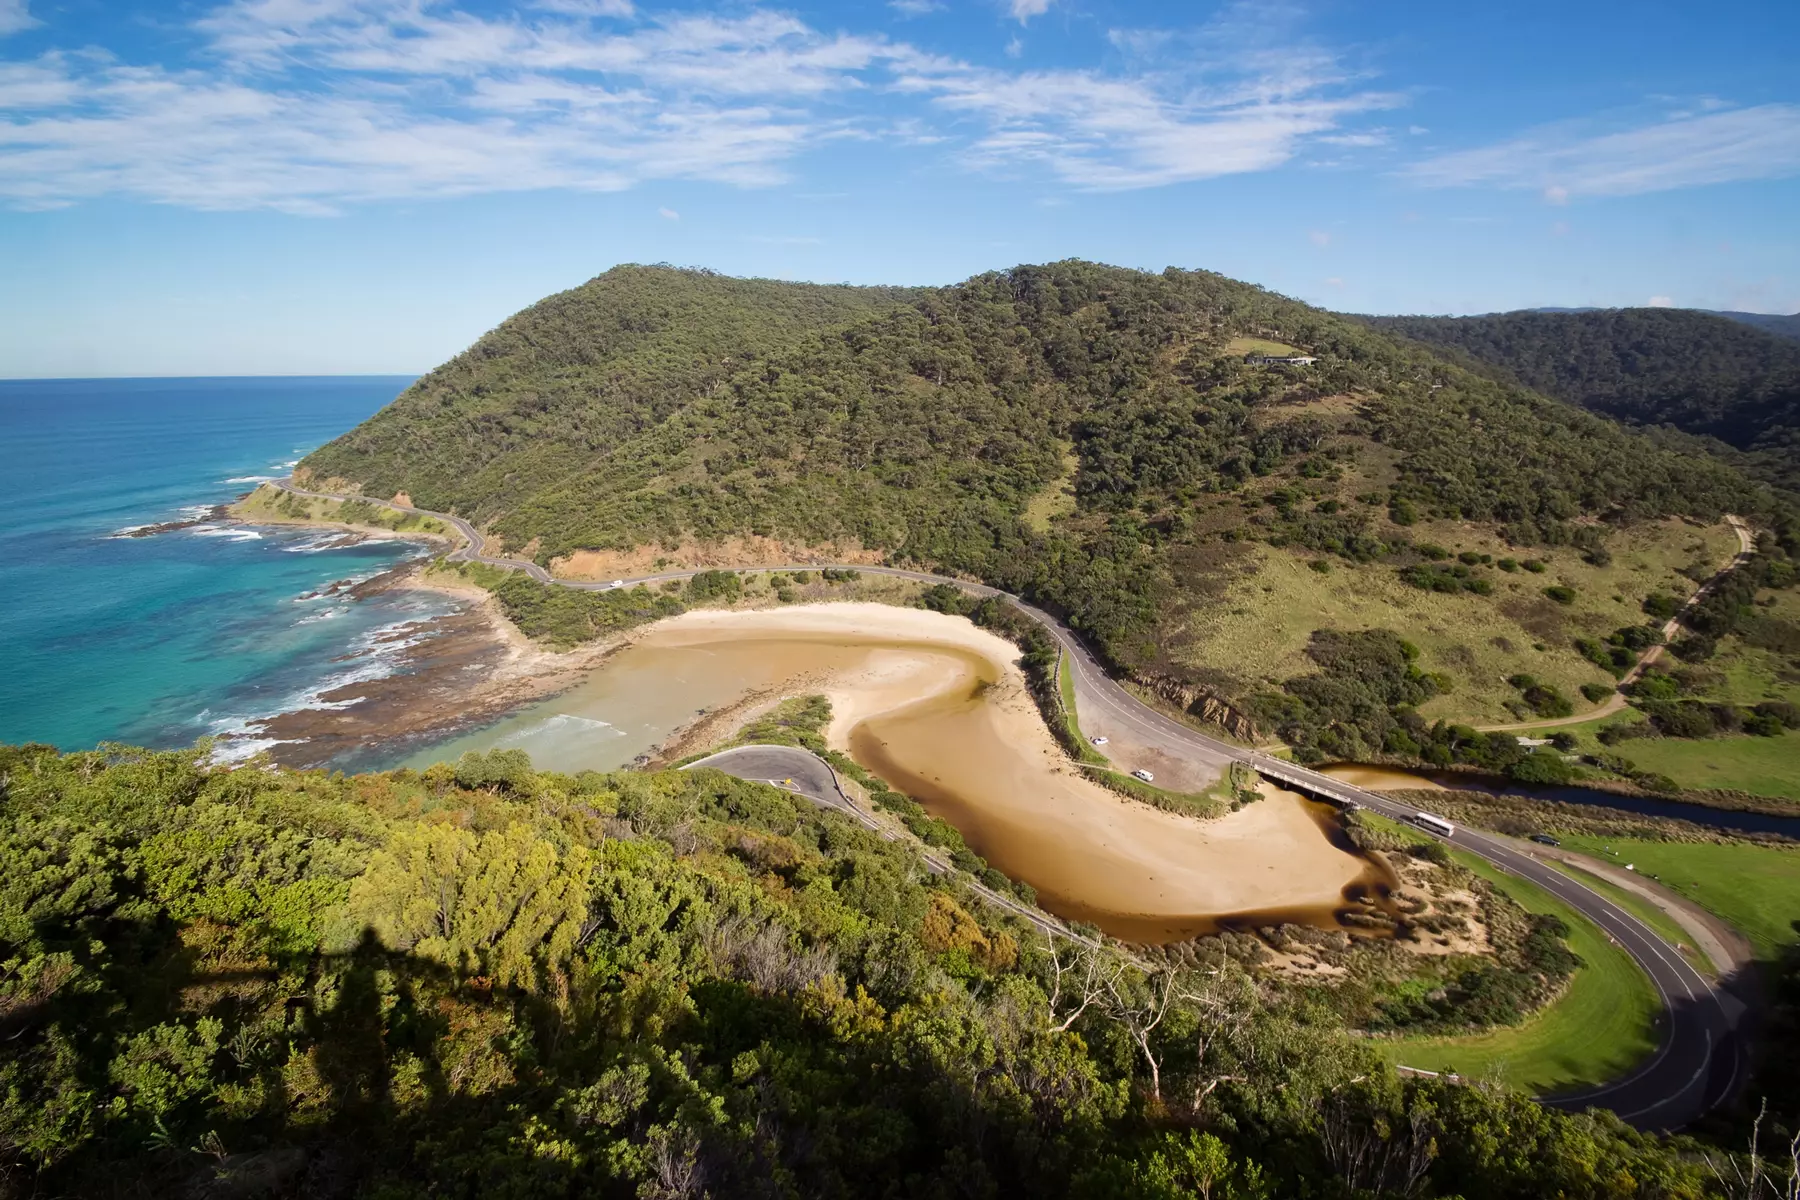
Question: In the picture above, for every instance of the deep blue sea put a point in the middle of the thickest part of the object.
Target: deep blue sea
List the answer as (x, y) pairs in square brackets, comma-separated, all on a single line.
[(161, 640)]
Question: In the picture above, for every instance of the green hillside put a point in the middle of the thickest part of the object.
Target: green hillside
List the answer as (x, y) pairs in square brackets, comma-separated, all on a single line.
[(1700, 373), (1085, 435), (481, 981), (573, 376)]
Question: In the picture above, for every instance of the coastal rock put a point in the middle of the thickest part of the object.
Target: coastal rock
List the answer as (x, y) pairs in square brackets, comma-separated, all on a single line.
[(1201, 702), (216, 513)]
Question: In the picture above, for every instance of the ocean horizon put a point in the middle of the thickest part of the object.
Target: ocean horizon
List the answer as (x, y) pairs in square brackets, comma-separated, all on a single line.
[(164, 639)]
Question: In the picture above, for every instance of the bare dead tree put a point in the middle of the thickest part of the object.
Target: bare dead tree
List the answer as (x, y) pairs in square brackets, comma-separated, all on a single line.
[(1754, 1179), (1086, 976), (1224, 1003), (1368, 1151), (675, 1158), (1141, 1014)]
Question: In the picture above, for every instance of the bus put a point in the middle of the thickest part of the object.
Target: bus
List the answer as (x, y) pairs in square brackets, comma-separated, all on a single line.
[(1434, 823)]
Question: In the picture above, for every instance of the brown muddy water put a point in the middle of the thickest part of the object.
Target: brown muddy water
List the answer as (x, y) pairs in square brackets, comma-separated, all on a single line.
[(947, 719)]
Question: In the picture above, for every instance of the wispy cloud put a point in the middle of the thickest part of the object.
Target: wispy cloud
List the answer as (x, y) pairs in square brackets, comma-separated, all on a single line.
[(308, 106), (1685, 150), (14, 16), (1024, 10), (1245, 92)]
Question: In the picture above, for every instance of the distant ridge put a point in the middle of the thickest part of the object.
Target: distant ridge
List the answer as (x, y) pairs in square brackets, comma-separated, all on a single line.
[(1716, 375), (1787, 326)]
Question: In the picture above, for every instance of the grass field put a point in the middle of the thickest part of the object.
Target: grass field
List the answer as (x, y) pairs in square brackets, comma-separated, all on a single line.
[(1258, 632), (1253, 345), (1754, 888), (1767, 766), (1600, 1027), (1763, 766), (1057, 499)]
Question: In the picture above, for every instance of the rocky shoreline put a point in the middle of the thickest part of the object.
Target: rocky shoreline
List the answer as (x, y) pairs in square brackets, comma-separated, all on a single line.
[(454, 672)]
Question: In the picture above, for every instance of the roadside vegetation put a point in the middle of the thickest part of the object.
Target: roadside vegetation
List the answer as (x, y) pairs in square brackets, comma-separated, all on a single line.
[(1598, 1029), (1754, 888)]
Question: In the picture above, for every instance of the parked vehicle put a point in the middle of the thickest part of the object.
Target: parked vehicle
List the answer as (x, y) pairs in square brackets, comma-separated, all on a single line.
[(1099, 741), (1144, 775), (1544, 839)]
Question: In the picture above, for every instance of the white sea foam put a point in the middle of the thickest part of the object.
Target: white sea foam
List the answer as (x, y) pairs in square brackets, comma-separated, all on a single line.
[(128, 531), (563, 723), (374, 654), (235, 533), (251, 478), (229, 750)]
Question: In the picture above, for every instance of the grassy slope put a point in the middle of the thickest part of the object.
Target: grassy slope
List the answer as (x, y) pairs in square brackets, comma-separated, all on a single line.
[(1597, 1030), (1754, 888), (270, 504), (1258, 632), (1741, 674)]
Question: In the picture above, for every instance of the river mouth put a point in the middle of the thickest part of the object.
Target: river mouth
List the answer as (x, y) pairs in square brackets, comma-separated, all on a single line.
[(940, 711)]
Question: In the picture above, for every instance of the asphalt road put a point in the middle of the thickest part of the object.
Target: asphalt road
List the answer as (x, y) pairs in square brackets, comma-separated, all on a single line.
[(1700, 1058)]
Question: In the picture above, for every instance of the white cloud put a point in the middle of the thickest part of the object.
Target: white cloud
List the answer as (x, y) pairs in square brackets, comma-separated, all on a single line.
[(1024, 10), (1662, 302), (587, 8), (1681, 151), (668, 214), (14, 16), (308, 106), (1015, 47), (1319, 237), (915, 8), (1105, 132), (1556, 194)]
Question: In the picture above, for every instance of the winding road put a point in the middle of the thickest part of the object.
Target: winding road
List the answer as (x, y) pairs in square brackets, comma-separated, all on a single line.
[(1700, 1057)]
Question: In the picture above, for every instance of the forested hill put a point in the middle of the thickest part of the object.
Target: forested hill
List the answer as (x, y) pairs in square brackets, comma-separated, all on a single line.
[(1699, 372), (942, 427), (1787, 325), (573, 376)]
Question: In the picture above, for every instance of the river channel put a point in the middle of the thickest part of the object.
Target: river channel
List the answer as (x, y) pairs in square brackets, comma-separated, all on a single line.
[(939, 710), (1393, 779)]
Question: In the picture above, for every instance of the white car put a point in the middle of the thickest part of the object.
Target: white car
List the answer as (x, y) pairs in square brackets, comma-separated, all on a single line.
[(1099, 741), (1144, 775), (617, 583)]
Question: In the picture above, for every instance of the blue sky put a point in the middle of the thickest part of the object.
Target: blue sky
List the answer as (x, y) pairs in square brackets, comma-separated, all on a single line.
[(321, 186)]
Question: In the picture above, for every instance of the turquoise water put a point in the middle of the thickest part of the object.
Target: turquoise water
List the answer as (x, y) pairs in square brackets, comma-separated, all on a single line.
[(161, 640)]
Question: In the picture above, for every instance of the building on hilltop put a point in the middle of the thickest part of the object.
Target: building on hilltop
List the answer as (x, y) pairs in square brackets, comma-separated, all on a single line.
[(1293, 360)]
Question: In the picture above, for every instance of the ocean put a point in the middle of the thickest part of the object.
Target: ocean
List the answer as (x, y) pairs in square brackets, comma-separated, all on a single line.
[(159, 641)]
